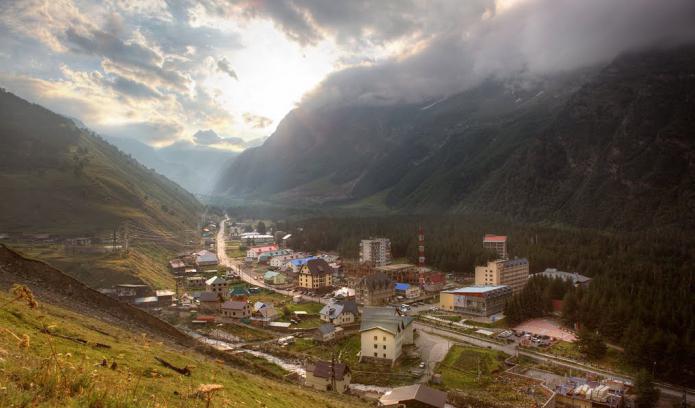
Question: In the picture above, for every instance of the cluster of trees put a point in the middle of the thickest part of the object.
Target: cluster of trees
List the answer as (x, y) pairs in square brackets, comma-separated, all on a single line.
[(535, 300), (641, 295)]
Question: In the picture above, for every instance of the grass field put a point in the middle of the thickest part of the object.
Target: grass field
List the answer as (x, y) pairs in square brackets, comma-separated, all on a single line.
[(145, 262), (347, 350), (44, 370), (232, 249), (613, 360), (474, 374)]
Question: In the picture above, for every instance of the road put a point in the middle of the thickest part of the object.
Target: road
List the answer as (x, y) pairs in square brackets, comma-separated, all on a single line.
[(447, 337), (434, 351), (237, 267)]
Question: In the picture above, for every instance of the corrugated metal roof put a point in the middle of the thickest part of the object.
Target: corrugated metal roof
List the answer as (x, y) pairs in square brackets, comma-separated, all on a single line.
[(475, 289)]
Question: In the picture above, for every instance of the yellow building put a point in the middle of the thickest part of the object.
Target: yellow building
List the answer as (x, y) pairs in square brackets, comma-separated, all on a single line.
[(383, 333), (316, 274), (513, 273)]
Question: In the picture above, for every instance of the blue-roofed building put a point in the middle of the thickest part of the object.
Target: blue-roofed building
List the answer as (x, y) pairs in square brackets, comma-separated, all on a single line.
[(296, 264), (407, 290), (483, 301)]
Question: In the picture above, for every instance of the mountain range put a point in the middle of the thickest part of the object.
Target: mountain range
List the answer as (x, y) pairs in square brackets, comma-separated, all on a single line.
[(195, 167), (608, 146)]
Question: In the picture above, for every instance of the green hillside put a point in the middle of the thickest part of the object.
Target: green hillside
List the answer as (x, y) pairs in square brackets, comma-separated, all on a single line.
[(57, 178), (606, 147), (51, 355), (65, 181)]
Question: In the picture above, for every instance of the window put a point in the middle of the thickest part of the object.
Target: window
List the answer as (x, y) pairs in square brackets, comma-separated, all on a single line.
[(384, 355), (384, 338), (384, 346), (376, 338), (376, 346), (376, 354)]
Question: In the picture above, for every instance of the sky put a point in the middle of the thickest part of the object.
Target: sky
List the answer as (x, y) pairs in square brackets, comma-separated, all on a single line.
[(223, 74)]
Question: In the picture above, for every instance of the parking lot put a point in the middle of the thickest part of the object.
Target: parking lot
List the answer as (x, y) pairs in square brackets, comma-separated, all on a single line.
[(546, 327)]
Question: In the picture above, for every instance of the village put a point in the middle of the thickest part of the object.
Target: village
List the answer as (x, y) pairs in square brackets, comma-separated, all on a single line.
[(399, 333)]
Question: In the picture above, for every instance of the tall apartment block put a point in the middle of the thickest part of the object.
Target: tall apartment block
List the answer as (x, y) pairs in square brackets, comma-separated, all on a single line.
[(497, 243), (513, 273), (376, 251)]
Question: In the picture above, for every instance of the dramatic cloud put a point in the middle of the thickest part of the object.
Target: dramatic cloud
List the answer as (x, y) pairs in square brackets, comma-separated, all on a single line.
[(256, 121), (161, 70), (528, 39), (224, 66)]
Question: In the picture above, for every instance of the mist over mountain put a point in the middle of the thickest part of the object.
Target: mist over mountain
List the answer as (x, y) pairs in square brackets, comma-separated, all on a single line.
[(195, 167), (598, 147)]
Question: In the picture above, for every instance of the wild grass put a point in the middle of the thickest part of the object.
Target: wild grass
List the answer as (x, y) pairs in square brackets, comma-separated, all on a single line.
[(38, 368)]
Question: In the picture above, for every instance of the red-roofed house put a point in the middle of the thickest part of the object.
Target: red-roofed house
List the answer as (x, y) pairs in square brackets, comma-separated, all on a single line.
[(253, 253)]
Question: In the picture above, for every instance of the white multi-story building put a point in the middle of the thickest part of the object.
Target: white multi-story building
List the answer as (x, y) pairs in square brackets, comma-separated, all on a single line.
[(376, 251)]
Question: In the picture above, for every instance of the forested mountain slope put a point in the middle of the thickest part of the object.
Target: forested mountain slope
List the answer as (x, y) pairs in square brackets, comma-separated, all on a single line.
[(605, 147)]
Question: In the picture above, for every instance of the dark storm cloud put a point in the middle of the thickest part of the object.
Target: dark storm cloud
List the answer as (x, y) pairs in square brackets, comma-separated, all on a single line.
[(125, 58), (224, 66), (364, 22), (148, 132), (533, 38), (133, 88)]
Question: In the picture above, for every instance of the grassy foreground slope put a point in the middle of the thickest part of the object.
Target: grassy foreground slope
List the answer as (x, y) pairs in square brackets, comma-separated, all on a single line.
[(52, 355)]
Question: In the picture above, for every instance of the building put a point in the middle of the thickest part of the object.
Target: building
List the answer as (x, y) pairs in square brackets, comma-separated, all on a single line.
[(177, 266), (374, 290), (497, 243), (279, 261), (274, 278), (405, 273), (239, 293), (205, 258), (383, 333), (407, 291), (146, 302), (575, 278), (164, 297), (316, 274), (254, 238), (295, 265), (265, 257), (434, 281), (483, 301), (375, 251), (236, 309), (340, 313), (195, 282), (578, 392), (413, 396), (328, 376), (512, 272), (254, 252), (328, 332), (264, 311), (127, 292), (209, 301), (217, 284)]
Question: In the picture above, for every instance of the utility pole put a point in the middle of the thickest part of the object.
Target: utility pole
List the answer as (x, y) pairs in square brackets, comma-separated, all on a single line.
[(333, 371), (113, 242)]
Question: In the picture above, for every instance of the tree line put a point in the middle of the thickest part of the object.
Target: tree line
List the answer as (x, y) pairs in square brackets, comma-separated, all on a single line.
[(641, 296)]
